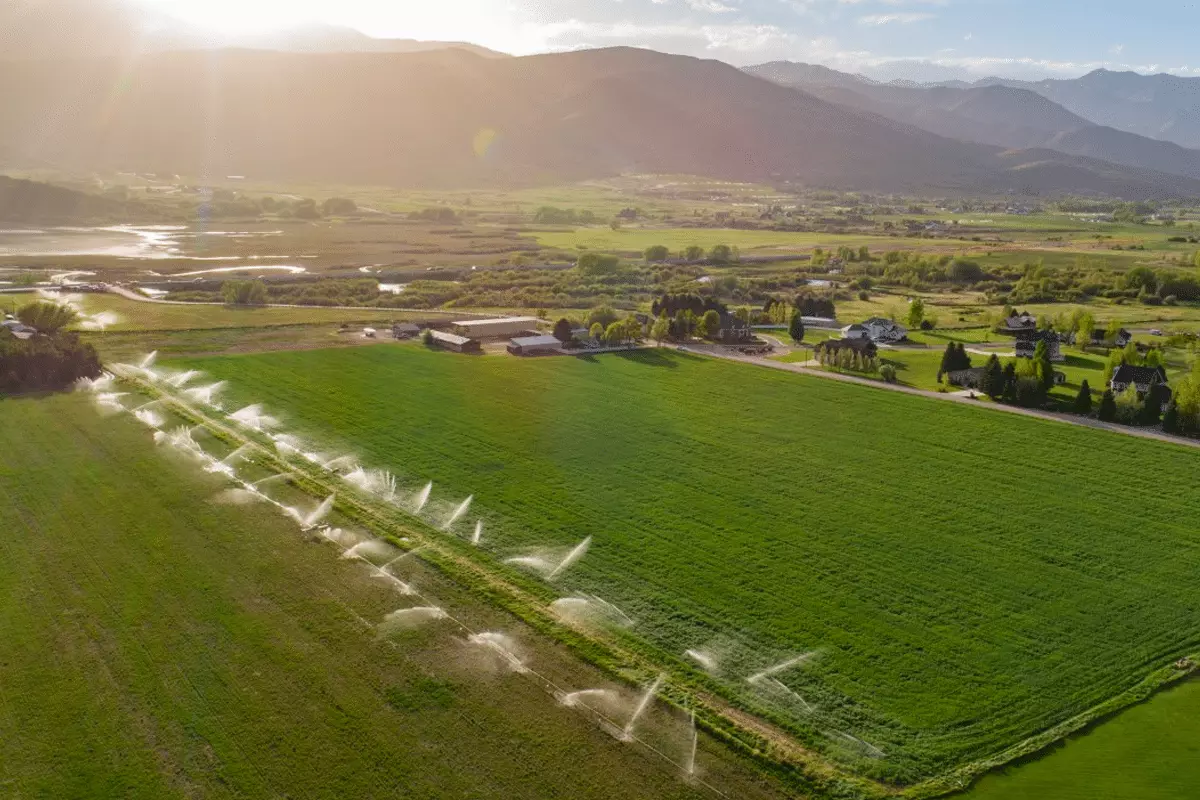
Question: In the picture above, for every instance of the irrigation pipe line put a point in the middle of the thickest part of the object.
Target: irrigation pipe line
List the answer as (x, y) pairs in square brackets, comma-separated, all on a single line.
[(547, 684)]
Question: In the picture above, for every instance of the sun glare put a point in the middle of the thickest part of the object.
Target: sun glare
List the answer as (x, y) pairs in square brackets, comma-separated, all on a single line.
[(238, 16)]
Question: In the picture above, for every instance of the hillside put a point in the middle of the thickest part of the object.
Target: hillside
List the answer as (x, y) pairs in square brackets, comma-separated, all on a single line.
[(452, 118), (1002, 114), (31, 202), (1165, 107)]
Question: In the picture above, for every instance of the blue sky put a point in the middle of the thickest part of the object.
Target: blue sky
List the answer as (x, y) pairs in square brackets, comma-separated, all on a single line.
[(919, 39)]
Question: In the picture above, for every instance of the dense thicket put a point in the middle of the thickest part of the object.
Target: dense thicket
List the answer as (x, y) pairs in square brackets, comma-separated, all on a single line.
[(45, 362)]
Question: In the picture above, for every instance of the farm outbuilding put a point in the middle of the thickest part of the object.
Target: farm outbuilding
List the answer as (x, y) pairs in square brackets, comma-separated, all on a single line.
[(499, 328), (534, 345), (459, 344), (405, 330)]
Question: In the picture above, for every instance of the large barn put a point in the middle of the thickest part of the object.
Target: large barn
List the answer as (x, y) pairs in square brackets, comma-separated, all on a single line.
[(498, 328), (534, 345)]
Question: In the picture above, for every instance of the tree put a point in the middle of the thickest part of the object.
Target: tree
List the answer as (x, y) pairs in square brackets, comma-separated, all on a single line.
[(562, 330), (721, 254), (306, 209), (1010, 382), (596, 331), (710, 324), (1083, 401), (1112, 331), (1084, 327), (46, 318), (1152, 408), (427, 337), (1129, 405), (991, 382), (796, 327), (657, 252), (45, 362), (244, 293), (597, 264), (615, 334), (1170, 420), (1154, 358), (603, 315), (693, 253), (339, 207), (1044, 368), (1108, 407), (916, 313), (661, 329), (685, 323)]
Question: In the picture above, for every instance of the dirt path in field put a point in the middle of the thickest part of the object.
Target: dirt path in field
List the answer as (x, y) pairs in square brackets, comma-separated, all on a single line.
[(1067, 419)]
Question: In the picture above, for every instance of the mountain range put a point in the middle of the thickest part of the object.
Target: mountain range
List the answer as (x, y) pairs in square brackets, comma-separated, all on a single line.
[(453, 118), (105, 85), (1007, 114)]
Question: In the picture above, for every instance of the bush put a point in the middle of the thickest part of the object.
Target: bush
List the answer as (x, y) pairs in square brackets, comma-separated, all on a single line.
[(45, 363), (888, 373)]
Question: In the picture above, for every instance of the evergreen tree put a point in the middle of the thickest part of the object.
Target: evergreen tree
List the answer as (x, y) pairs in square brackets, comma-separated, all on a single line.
[(1152, 408), (991, 382), (1108, 407), (947, 361), (1009, 391), (1043, 366), (562, 330), (1170, 420), (1083, 401), (796, 327)]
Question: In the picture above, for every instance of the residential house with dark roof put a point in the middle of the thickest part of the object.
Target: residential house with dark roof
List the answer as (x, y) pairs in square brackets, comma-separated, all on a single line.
[(1144, 378), (1018, 322), (1027, 342)]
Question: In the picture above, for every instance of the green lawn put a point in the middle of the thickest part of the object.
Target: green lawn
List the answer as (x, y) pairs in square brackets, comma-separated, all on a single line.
[(1150, 752), (636, 240), (158, 644), (960, 572), (132, 315)]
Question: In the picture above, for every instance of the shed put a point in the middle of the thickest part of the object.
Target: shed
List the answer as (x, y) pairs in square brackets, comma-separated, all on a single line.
[(534, 345), (459, 344), (405, 330)]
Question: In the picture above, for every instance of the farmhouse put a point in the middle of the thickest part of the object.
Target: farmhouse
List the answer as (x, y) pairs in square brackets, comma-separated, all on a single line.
[(1027, 342), (876, 330), (734, 330), (405, 330), (1100, 336), (499, 328), (459, 344), (534, 345), (854, 331), (884, 330), (1144, 378), (1019, 322)]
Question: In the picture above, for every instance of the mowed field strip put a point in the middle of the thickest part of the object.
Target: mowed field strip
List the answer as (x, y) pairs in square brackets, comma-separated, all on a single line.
[(963, 579), (158, 643)]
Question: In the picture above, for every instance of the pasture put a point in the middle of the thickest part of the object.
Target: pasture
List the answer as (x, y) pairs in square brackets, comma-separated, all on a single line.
[(1149, 752), (159, 643), (960, 579)]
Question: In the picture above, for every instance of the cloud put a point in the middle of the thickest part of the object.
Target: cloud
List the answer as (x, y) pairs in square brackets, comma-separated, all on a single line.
[(710, 6), (899, 18)]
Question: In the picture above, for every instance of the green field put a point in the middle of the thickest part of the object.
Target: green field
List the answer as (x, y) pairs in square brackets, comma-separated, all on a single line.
[(132, 315), (1150, 752), (159, 644), (967, 578)]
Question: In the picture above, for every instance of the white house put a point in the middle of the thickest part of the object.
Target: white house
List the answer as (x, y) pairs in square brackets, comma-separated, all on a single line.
[(884, 330)]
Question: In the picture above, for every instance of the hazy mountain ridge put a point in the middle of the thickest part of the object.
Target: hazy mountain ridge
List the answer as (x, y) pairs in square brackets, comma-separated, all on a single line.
[(1162, 106), (996, 113), (36, 29)]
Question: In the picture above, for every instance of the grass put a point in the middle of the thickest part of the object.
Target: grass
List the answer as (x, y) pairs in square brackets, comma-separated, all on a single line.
[(158, 644), (134, 315), (956, 570), (1149, 752), (751, 242)]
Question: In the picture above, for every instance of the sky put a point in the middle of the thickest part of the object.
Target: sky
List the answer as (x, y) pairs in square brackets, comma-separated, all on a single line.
[(913, 39)]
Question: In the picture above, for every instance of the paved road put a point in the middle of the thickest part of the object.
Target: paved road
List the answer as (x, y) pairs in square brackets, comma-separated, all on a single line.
[(1067, 419)]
